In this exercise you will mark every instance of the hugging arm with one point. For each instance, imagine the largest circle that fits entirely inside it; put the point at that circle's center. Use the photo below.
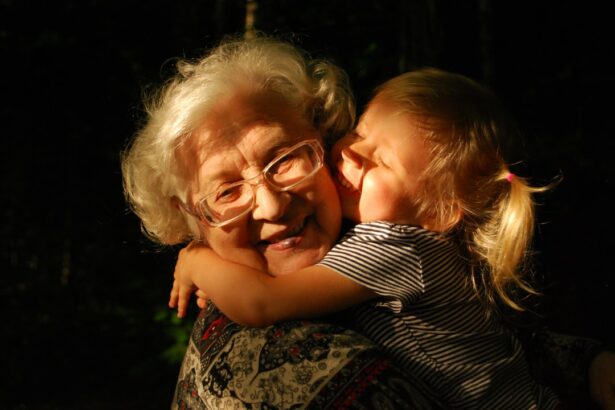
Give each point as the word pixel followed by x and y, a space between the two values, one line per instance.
pixel 255 298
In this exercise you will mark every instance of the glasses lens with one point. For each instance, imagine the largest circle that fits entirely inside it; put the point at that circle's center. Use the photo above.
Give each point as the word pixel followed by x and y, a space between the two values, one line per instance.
pixel 227 203
pixel 234 200
pixel 294 167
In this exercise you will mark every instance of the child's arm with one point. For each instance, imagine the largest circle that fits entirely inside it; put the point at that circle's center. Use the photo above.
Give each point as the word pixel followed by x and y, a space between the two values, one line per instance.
pixel 183 286
pixel 254 298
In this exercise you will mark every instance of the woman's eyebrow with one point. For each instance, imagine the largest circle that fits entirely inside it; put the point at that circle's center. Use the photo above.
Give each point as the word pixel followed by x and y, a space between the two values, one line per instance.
pixel 278 148
pixel 217 172
pixel 219 177
pixel 279 143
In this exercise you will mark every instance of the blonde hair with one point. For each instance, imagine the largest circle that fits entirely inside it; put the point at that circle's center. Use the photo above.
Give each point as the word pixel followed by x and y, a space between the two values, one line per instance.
pixel 467 188
pixel 152 177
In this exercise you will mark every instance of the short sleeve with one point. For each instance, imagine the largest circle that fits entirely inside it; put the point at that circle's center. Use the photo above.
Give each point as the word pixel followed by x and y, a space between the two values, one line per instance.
pixel 382 259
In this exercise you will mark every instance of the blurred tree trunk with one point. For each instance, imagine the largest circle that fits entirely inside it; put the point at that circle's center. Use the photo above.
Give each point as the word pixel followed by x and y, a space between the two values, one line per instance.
pixel 485 38
pixel 419 38
pixel 220 18
pixel 249 29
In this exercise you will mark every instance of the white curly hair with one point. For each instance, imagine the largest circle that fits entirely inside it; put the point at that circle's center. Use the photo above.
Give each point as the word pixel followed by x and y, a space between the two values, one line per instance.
pixel 318 89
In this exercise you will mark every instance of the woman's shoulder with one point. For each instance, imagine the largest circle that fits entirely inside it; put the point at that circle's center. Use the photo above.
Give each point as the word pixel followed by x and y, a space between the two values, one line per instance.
pixel 299 363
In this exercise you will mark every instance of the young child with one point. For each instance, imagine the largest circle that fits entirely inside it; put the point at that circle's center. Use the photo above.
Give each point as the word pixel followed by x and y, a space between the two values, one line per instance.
pixel 443 231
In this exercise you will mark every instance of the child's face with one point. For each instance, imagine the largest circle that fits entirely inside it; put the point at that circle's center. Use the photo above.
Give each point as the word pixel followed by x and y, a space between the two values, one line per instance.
pixel 378 166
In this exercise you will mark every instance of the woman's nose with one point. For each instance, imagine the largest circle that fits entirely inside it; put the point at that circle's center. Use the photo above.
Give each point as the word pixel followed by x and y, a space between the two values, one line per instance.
pixel 269 204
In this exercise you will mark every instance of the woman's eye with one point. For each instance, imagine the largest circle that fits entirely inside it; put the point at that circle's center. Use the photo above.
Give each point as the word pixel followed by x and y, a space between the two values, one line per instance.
pixel 228 194
pixel 284 165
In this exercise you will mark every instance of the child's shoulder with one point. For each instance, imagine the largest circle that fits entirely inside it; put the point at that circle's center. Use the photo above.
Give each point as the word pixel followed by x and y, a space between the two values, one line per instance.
pixel 386 229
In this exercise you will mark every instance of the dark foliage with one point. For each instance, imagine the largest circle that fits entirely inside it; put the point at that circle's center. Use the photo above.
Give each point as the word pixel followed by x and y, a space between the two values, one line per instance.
pixel 84 293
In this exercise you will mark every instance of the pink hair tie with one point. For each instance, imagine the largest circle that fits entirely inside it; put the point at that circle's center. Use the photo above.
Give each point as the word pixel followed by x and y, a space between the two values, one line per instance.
pixel 510 176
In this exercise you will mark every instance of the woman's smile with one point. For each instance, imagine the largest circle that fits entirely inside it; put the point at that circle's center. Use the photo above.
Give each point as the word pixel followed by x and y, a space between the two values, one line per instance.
pixel 286 238
pixel 285 229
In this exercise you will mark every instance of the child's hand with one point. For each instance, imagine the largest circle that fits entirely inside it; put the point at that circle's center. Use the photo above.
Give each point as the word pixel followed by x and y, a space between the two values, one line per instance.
pixel 201 298
pixel 183 285
pixel 602 380
pixel 180 296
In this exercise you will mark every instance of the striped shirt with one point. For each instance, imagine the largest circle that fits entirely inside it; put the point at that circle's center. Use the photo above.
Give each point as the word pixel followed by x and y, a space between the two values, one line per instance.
pixel 429 317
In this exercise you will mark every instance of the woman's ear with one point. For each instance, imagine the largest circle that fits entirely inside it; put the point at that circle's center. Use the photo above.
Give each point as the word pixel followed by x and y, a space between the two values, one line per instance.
pixel 176 202
pixel 191 219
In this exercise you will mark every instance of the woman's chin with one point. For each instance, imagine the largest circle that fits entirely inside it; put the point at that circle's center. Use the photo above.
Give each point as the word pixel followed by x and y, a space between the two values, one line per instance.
pixel 294 261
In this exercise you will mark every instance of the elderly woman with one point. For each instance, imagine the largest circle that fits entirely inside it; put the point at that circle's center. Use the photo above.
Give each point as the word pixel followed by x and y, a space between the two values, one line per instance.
pixel 227 128
pixel 248 125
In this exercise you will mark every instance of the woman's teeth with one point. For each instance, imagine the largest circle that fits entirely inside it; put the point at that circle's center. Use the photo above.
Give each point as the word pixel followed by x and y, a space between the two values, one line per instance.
pixel 297 229
pixel 290 239
pixel 286 243
pixel 289 236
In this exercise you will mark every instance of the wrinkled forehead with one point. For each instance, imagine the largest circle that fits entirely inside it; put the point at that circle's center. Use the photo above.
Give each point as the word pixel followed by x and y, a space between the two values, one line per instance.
pixel 258 122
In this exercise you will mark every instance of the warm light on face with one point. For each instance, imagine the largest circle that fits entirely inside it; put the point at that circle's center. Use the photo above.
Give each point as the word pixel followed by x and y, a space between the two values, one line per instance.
pixel 379 166
pixel 260 187
pixel 232 200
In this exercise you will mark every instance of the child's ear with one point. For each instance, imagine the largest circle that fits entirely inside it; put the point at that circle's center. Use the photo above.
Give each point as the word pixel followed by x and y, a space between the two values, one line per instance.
pixel 444 221
pixel 456 215
pixel 451 220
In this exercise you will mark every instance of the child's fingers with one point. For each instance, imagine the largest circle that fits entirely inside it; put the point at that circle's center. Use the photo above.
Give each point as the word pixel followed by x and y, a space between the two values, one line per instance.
pixel 184 298
pixel 181 307
pixel 201 298
pixel 174 296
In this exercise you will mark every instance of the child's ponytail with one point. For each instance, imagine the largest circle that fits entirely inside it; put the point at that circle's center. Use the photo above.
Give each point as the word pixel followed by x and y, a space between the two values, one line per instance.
pixel 503 240
pixel 467 189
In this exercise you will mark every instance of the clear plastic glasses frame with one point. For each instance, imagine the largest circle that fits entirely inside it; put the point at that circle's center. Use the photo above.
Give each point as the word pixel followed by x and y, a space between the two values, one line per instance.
pixel 286 171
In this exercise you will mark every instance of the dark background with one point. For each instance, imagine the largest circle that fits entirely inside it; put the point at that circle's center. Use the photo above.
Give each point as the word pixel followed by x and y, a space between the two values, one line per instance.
pixel 83 293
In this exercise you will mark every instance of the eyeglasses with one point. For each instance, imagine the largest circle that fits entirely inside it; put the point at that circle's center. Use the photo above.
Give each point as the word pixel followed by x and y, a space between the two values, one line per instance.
pixel 289 169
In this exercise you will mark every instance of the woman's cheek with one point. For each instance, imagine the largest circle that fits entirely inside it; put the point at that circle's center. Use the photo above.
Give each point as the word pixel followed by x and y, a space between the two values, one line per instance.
pixel 331 207
pixel 233 244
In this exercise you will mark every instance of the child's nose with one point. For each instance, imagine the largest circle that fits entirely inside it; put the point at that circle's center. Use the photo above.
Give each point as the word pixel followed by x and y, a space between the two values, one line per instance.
pixel 351 157
pixel 351 167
